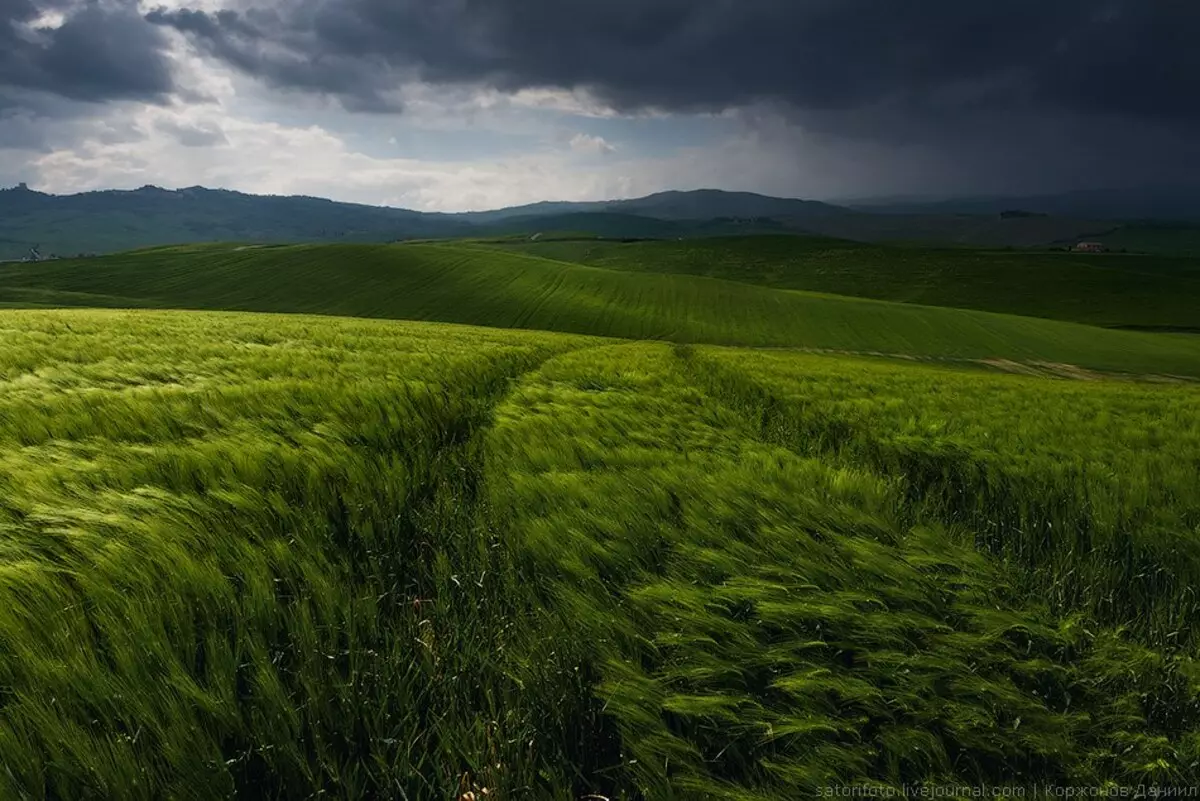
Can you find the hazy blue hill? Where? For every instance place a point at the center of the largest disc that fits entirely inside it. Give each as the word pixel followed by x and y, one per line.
pixel 110 221
pixel 1161 202
pixel 120 220
pixel 709 203
pixel 541 209
pixel 700 204
pixel 589 224
pixel 971 230
pixel 611 225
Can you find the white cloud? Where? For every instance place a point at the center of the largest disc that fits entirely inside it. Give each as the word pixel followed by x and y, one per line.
pixel 490 149
pixel 577 102
pixel 591 145
pixel 270 158
pixel 205 81
pixel 48 20
pixel 231 133
pixel 205 144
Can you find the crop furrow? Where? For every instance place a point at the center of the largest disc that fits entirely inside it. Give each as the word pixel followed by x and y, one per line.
pixel 1108 562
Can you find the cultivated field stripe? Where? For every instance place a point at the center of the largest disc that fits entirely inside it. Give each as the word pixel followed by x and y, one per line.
pixel 475 286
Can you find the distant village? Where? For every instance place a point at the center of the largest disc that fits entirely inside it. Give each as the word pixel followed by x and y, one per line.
pixel 35 254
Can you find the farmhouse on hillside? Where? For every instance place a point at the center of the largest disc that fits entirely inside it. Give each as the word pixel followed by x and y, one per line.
pixel 1091 247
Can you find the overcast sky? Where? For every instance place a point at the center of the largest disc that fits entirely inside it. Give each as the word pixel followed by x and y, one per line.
pixel 469 104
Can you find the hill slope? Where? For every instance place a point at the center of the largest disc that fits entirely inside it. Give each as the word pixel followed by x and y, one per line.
pixel 451 283
pixel 1105 289
pixel 107 221
pixel 700 204
pixel 1179 202
pixel 103 222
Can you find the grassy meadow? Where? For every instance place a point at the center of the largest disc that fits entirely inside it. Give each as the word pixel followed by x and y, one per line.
pixel 440 522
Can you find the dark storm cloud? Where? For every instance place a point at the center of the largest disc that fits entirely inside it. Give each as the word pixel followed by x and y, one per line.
pixel 1118 57
pixel 288 52
pixel 102 51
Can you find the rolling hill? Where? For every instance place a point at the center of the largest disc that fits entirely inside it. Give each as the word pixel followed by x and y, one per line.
pixel 103 222
pixel 700 204
pixel 703 204
pixel 1179 202
pixel 619 226
pixel 111 221
pixel 1117 290
pixel 469 284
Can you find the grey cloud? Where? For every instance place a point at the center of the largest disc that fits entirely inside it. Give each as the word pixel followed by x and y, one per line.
pixel 36 121
pixel 19 130
pixel 199 135
pixel 279 49
pixel 103 51
pixel 1032 92
pixel 1123 57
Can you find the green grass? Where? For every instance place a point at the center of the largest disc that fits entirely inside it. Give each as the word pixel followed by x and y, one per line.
pixel 297 556
pixel 1157 237
pixel 1099 481
pixel 220 538
pixel 1108 289
pixel 461 284
pixel 768 625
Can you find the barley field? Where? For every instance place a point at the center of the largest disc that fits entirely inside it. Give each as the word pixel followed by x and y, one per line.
pixel 458 283
pixel 292 556
pixel 1143 290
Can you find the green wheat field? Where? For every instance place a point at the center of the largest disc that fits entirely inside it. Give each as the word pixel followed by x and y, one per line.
pixel 470 520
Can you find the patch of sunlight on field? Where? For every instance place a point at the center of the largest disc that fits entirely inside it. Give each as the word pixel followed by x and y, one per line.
pixel 471 285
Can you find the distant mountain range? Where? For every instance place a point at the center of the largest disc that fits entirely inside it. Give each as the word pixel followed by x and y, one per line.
pixel 1176 203
pixel 107 221
pixel 701 204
